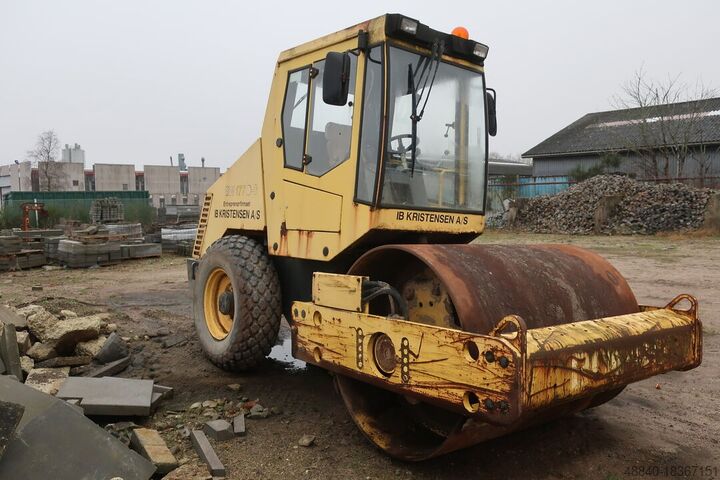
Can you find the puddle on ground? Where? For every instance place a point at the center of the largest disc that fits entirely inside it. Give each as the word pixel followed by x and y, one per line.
pixel 282 351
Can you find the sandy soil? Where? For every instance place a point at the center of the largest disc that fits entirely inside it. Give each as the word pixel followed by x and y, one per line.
pixel 646 432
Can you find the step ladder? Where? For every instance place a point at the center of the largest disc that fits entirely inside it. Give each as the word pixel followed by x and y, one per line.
pixel 202 225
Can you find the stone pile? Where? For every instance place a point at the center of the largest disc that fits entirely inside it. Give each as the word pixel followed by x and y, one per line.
pixel 48 348
pixel 639 208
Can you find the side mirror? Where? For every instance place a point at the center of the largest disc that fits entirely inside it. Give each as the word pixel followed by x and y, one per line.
pixel 492 112
pixel 336 78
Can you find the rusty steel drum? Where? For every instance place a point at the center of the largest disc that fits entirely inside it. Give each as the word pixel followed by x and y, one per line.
pixel 474 287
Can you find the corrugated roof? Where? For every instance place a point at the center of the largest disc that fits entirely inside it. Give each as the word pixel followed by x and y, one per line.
pixel 694 122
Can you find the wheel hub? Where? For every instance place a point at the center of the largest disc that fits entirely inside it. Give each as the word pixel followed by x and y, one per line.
pixel 219 304
pixel 226 303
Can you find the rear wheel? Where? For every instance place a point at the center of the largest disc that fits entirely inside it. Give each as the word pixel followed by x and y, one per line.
pixel 237 303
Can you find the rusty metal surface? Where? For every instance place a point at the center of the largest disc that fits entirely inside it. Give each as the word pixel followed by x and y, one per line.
pixel 449 368
pixel 577 359
pixel 510 380
pixel 545 285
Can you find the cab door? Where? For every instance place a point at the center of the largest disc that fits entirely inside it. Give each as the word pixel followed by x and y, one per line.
pixel 317 139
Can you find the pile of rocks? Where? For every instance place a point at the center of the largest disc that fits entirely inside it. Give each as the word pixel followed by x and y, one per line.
pixel 51 347
pixel 638 208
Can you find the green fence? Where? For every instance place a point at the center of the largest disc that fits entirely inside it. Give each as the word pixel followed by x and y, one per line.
pixel 71 206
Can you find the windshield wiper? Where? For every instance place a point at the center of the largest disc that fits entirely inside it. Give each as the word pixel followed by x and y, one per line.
pixel 415 117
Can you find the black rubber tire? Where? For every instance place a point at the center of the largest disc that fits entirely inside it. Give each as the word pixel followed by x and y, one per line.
pixel 257 300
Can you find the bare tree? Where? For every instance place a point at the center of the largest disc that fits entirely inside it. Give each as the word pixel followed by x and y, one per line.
pixel 663 125
pixel 51 175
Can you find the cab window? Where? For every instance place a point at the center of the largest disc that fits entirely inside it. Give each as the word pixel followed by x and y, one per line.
pixel 294 115
pixel 330 126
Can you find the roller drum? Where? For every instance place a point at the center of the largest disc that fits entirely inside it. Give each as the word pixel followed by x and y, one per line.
pixel 471 287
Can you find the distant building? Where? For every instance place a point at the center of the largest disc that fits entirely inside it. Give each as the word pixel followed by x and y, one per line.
pixel 73 154
pixel 636 136
pixel 166 185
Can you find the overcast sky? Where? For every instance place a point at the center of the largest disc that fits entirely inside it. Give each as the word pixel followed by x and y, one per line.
pixel 135 81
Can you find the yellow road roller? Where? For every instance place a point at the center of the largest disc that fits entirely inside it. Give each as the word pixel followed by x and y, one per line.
pixel 353 215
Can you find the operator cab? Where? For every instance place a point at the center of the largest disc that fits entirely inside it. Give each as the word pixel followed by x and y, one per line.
pixel 429 152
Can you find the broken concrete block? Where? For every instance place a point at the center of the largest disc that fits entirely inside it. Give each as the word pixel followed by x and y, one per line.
pixel 149 444
pixel 54 441
pixel 113 349
pixel 23 341
pixel 8 315
pixel 91 347
pixel 160 393
pixel 109 328
pixel 306 440
pixel 188 471
pixel 166 392
pixel 110 369
pixel 109 395
pixel 239 425
pixel 206 453
pixel 47 380
pixel 9 350
pixel 26 364
pixel 40 351
pixel 65 334
pixel 64 362
pixel 174 340
pixel 39 320
pixel 258 411
pixel 10 415
pixel 219 430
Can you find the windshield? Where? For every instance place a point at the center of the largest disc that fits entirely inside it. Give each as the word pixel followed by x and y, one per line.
pixel 450 145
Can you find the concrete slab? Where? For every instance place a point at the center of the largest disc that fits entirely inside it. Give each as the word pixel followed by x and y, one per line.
pixel 64 335
pixel 40 351
pixel 113 349
pixel 160 393
pixel 26 364
pixel 110 395
pixel 23 341
pixel 10 415
pixel 47 380
pixel 64 444
pixel 111 368
pixel 149 444
pixel 219 430
pixel 239 425
pixel 9 350
pixel 174 340
pixel 74 361
pixel 75 403
pixel 35 402
pixel 8 315
pixel 206 453
pixel 91 347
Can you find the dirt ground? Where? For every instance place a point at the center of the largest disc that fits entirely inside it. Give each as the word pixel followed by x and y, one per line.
pixel 647 432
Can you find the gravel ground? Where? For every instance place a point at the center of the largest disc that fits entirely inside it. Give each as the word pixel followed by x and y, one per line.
pixel 646 432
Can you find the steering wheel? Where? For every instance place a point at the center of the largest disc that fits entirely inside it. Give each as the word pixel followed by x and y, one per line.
pixel 401 147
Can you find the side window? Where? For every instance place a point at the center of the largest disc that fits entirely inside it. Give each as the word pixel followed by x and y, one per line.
pixel 371 123
pixel 294 116
pixel 330 126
